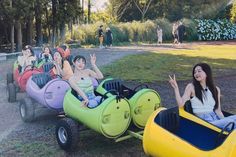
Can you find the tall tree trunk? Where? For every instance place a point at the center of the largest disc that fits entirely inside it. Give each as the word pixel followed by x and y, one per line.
pixel 83 11
pixel 12 32
pixel 48 25
pixel 12 37
pixel 89 10
pixel 38 23
pixel 70 26
pixel 54 29
pixel 57 36
pixel 29 31
pixel 19 36
pixel 62 33
pixel 62 25
pixel 142 19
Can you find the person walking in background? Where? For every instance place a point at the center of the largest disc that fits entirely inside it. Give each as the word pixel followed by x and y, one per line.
pixel 100 36
pixel 181 32
pixel 175 32
pixel 109 37
pixel 159 35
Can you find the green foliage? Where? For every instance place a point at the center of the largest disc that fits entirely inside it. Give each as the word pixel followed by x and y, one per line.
pixel 233 13
pixel 190 29
pixel 18 10
pixel 133 31
pixel 216 30
pixel 66 11
pixel 166 28
pixel 100 16
pixel 170 9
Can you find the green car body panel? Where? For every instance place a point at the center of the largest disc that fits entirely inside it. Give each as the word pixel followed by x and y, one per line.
pixel 111 118
pixel 143 103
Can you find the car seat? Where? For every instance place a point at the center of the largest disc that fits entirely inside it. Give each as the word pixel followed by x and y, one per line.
pixel 41 79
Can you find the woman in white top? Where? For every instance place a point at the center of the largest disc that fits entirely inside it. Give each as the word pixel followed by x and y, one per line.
pixel 203 95
pixel 26 60
pixel 175 32
pixel 159 35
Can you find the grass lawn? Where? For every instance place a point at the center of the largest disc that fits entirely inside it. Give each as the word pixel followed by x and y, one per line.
pixel 156 66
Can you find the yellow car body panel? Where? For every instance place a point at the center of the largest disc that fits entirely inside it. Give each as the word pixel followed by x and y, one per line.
pixel 159 142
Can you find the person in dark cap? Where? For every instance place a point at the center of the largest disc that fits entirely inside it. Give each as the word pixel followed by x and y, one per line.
pixel 181 32
pixel 109 37
pixel 100 36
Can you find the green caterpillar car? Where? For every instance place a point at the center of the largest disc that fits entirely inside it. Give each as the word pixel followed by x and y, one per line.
pixel 111 118
pixel 143 101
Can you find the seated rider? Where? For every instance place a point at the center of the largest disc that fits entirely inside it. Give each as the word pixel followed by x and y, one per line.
pixel 46 55
pixel 26 59
pixel 61 66
pixel 82 83
pixel 204 96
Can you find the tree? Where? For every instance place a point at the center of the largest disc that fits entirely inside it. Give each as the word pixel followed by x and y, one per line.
pixel 170 9
pixel 68 11
pixel 54 13
pixel 142 6
pixel 89 10
pixel 38 21
pixel 7 16
pixel 233 13
pixel 118 8
pixel 22 10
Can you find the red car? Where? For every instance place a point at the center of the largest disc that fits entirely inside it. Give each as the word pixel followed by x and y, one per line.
pixel 16 81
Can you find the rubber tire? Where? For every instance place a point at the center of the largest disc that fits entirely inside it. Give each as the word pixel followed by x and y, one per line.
pixel 27 110
pixel 9 78
pixel 11 92
pixel 71 128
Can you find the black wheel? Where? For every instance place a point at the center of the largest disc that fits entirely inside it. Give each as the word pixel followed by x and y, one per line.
pixel 67 134
pixel 9 78
pixel 27 110
pixel 11 88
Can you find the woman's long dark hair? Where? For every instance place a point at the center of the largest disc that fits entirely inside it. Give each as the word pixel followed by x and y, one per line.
pixel 50 51
pixel 62 60
pixel 78 57
pixel 209 83
pixel 30 48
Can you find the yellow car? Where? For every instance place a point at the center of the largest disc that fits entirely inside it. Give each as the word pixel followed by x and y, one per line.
pixel 176 133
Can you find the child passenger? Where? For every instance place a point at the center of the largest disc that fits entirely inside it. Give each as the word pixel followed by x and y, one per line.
pixel 82 83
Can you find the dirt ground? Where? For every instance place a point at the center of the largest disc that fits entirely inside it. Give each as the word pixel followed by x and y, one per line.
pixel 38 138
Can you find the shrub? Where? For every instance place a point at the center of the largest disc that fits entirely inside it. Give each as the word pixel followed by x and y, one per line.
pixel 166 28
pixel 146 31
pixel 190 29
pixel 216 30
